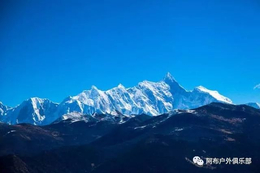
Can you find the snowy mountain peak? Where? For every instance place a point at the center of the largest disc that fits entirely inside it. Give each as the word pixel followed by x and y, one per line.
pixel 3 110
pixel 203 89
pixel 151 98
pixel 169 77
pixel 175 87
pixel 120 86
pixel 35 100
pixel 93 87
pixel 94 91
pixel 33 110
pixel 214 94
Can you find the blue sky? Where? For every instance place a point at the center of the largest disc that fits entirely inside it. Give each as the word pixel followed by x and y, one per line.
pixel 56 49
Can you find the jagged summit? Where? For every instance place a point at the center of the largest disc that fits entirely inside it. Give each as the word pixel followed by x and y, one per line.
pixel 93 87
pixel 120 86
pixel 151 98
pixel 169 77
pixel 174 85
pixel 34 110
pixel 36 100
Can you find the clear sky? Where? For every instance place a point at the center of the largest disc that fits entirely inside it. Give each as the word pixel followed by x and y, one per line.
pixel 53 49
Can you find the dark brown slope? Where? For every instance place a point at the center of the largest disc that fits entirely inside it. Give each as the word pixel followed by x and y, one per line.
pixel 160 144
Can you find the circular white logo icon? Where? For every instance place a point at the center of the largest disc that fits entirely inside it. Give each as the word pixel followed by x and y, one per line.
pixel 197 160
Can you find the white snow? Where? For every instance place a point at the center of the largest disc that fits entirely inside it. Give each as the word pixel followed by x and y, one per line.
pixel 152 98
pixel 214 94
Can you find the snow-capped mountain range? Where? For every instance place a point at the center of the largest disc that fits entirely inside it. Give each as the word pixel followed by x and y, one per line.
pixel 152 98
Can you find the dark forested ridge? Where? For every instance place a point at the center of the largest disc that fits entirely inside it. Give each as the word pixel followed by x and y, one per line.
pixel 161 144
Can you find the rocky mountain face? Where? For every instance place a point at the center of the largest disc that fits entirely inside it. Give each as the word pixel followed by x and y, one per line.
pixel 165 143
pixel 151 98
